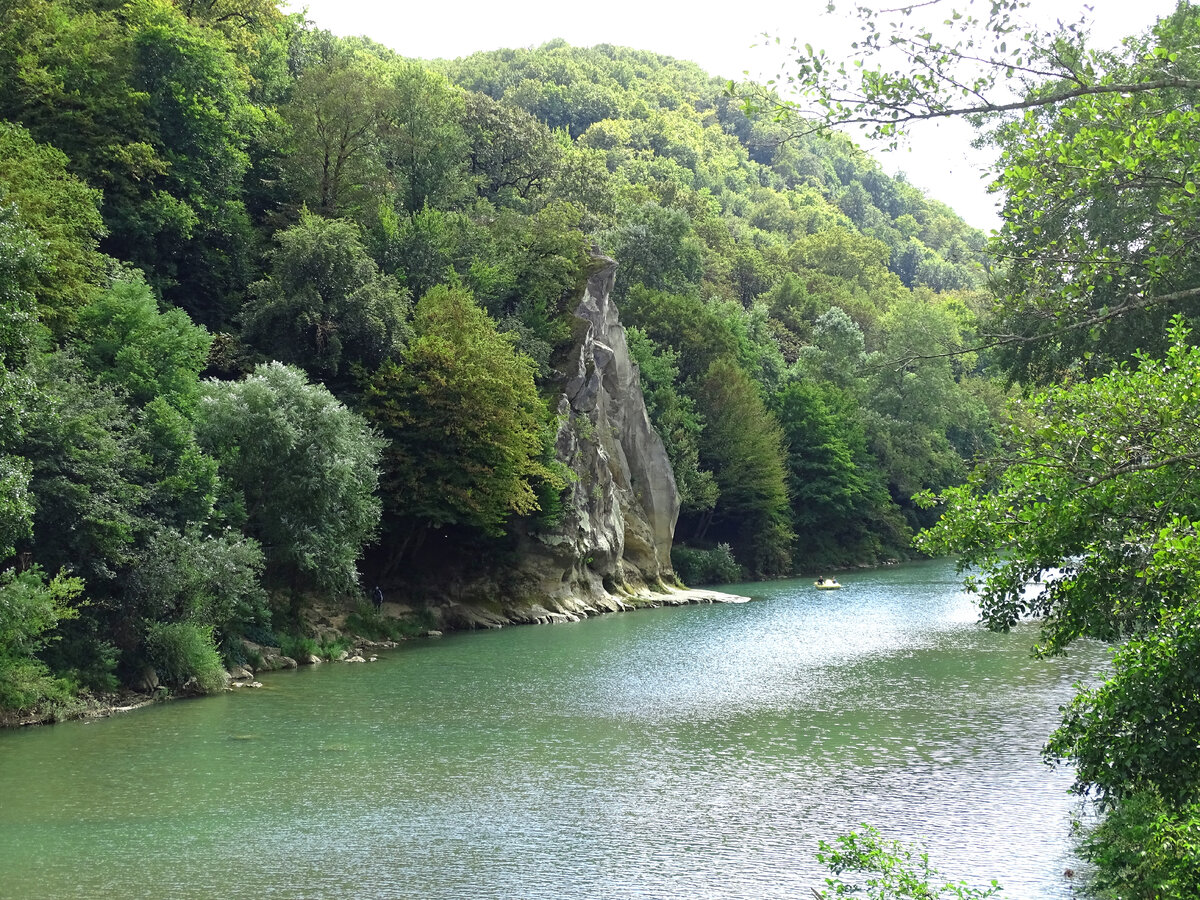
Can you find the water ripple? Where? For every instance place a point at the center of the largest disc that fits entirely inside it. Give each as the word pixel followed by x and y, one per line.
pixel 692 753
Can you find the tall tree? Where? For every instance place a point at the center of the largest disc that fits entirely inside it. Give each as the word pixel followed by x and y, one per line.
pixel 425 147
pixel 743 445
pixel 337 108
pixel 20 335
pixel 465 424
pixel 832 496
pixel 514 155
pixel 325 306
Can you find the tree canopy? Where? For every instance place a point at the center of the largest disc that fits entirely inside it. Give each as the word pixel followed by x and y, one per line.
pixel 467 429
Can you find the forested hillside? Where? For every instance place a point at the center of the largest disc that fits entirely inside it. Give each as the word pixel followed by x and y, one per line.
pixel 274 299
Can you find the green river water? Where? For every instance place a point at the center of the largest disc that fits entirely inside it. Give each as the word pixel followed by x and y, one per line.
pixel 697 752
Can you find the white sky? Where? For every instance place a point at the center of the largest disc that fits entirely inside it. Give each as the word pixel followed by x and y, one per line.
pixel 719 39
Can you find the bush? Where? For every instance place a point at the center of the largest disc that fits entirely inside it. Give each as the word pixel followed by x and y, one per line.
pixel 83 657
pixel 181 651
pixel 1146 848
pixel 716 566
pixel 31 609
pixel 210 580
pixel 297 647
pixel 27 683
pixel 332 647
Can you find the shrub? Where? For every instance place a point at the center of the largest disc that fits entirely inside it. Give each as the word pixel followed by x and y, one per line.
pixel 715 566
pixel 210 580
pixel 332 647
pixel 181 651
pixel 27 683
pixel 1146 848
pixel 31 609
pixel 368 623
pixel 298 647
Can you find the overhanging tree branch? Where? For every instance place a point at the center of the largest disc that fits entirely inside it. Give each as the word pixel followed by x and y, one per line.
pixel 899 114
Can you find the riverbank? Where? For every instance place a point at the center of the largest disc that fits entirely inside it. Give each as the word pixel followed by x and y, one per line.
pixel 331 624
pixel 467 616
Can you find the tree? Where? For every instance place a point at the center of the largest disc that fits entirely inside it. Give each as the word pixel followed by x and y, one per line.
pixel 743 446
pixel 683 323
pixel 425 148
pixel 108 471
pixel 212 581
pixel 828 491
pixel 325 306
pixel 1098 490
pixel 1102 214
pixel 304 467
pixel 1096 486
pixel 88 480
pixel 125 340
pixel 916 401
pixel 1095 167
pixel 62 211
pixel 465 424
pixel 21 261
pixel 336 111
pixel 513 154
pixel 1088 478
pixel 657 248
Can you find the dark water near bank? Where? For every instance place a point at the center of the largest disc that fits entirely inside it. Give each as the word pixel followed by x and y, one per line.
pixel 692 753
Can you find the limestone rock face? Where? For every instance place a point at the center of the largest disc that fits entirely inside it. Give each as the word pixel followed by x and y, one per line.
pixel 615 535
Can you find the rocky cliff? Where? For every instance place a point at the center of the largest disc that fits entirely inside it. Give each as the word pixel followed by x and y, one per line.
pixel 623 505
pixel 612 547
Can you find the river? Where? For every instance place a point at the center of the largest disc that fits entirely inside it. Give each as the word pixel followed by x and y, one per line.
pixel 695 752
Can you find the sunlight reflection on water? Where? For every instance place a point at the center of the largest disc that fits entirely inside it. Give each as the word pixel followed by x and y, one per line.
pixel 693 753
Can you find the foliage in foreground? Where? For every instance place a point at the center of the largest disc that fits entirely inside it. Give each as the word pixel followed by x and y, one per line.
pixel 1088 517
pixel 1145 847
pixel 1097 486
pixel 867 865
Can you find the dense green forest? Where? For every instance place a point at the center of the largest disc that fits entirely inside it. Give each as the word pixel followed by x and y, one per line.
pixel 279 304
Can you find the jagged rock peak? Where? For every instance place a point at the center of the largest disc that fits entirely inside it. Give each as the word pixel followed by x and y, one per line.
pixel 615 535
